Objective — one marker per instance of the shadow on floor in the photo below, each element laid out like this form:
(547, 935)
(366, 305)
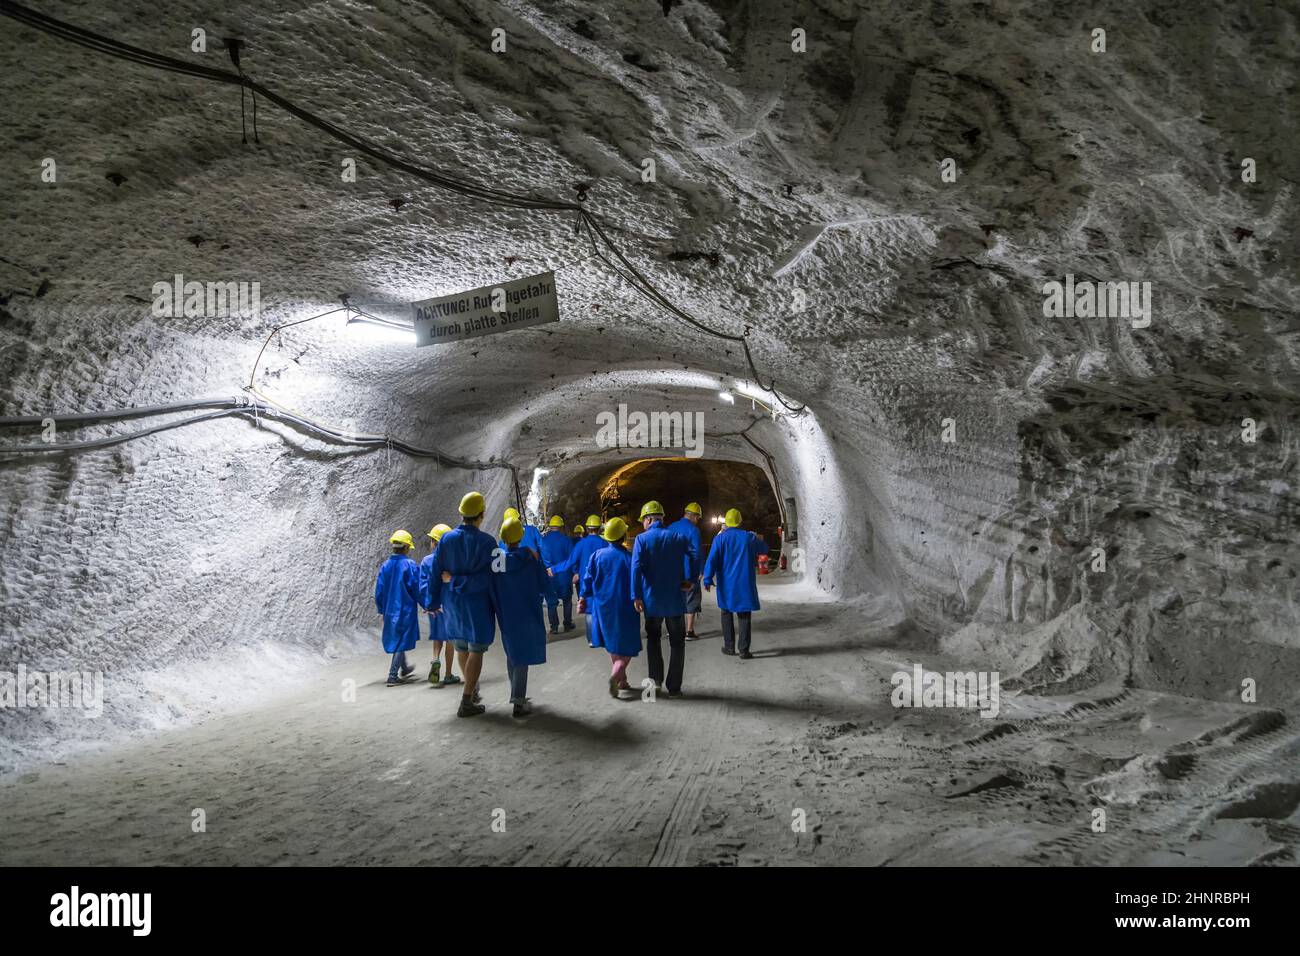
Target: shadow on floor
(616, 733)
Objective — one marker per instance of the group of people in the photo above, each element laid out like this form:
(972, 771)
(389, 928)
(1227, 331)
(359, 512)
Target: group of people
(471, 585)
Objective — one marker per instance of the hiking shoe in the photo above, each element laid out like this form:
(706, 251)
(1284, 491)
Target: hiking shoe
(522, 709)
(478, 698)
(729, 651)
(435, 675)
(468, 708)
(450, 679)
(746, 656)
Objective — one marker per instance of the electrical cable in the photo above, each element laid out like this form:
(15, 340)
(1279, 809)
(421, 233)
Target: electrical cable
(115, 48)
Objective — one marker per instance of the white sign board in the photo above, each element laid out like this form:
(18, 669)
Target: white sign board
(517, 304)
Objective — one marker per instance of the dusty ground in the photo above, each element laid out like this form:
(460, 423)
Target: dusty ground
(712, 779)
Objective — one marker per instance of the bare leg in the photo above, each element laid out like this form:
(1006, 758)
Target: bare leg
(450, 651)
(690, 623)
(437, 649)
(471, 665)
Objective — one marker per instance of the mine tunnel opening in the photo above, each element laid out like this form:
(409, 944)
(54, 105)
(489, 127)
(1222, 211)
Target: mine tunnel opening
(620, 489)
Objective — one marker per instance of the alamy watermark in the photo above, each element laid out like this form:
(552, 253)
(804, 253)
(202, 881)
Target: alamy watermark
(1086, 299)
(636, 429)
(921, 688)
(213, 300)
(68, 690)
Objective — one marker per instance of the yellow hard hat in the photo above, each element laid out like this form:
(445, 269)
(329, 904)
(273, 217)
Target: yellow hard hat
(472, 505)
(652, 508)
(577, 529)
(593, 521)
(556, 521)
(732, 518)
(694, 508)
(402, 537)
(437, 531)
(512, 531)
(510, 513)
(615, 529)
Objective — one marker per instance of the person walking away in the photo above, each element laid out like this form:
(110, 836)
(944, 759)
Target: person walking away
(431, 601)
(519, 580)
(688, 524)
(532, 537)
(573, 568)
(607, 595)
(397, 599)
(664, 563)
(556, 548)
(732, 564)
(465, 561)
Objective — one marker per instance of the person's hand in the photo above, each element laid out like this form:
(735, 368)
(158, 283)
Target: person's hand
(446, 577)
(708, 587)
(550, 573)
(582, 605)
(639, 605)
(575, 579)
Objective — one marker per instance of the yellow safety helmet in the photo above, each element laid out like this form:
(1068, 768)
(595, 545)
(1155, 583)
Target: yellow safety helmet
(694, 508)
(652, 508)
(402, 538)
(577, 529)
(593, 521)
(512, 531)
(472, 505)
(732, 518)
(510, 513)
(615, 529)
(556, 521)
(437, 531)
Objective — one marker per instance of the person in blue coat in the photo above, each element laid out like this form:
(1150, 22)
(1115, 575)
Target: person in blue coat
(576, 565)
(465, 558)
(607, 594)
(556, 548)
(519, 580)
(397, 599)
(664, 566)
(733, 566)
(431, 601)
(688, 524)
(532, 537)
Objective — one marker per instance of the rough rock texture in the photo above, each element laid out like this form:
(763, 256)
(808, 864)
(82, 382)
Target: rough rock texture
(798, 199)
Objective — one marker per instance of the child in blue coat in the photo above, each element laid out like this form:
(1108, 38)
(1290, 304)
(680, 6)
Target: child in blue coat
(733, 564)
(607, 597)
(431, 601)
(397, 599)
(519, 581)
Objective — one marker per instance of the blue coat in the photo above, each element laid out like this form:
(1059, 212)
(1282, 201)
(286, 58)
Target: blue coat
(579, 557)
(466, 552)
(516, 594)
(556, 548)
(431, 595)
(397, 598)
(607, 586)
(733, 566)
(532, 538)
(689, 528)
(661, 560)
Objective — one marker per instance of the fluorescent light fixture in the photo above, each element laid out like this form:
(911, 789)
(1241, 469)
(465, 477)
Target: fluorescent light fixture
(751, 391)
(727, 397)
(364, 329)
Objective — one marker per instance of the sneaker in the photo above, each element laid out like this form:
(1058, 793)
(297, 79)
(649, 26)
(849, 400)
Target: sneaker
(435, 673)
(478, 698)
(522, 709)
(673, 693)
(570, 626)
(746, 656)
(469, 708)
(407, 671)
(450, 679)
(555, 630)
(392, 682)
(729, 651)
(692, 636)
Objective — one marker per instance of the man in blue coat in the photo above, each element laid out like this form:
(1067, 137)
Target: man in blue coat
(431, 601)
(688, 524)
(519, 580)
(532, 537)
(576, 565)
(397, 599)
(607, 595)
(664, 565)
(465, 559)
(732, 564)
(556, 548)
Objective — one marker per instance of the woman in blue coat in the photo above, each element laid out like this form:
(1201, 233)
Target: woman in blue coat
(519, 580)
(607, 596)
(397, 599)
(733, 564)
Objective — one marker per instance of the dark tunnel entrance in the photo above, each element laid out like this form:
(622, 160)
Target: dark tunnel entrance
(620, 490)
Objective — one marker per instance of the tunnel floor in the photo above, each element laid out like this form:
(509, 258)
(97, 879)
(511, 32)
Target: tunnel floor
(715, 778)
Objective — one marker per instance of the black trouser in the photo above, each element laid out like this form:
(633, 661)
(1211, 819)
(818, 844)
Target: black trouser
(553, 612)
(729, 630)
(676, 650)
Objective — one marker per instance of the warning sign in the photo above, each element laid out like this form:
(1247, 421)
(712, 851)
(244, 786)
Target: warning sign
(517, 304)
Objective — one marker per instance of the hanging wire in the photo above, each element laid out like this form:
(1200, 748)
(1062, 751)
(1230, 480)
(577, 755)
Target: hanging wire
(628, 272)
